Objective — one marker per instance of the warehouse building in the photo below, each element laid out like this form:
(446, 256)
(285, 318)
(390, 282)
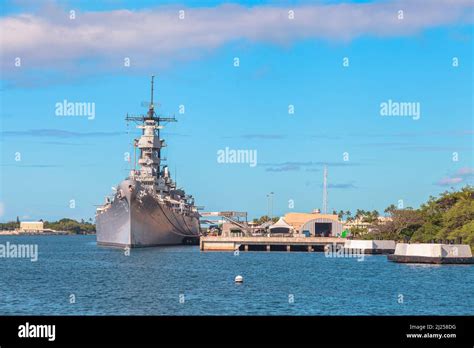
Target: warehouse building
(31, 226)
(315, 224)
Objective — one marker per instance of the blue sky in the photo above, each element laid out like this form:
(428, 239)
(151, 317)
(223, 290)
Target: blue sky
(337, 108)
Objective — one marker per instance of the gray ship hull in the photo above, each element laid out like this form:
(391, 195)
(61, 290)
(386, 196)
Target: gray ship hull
(143, 221)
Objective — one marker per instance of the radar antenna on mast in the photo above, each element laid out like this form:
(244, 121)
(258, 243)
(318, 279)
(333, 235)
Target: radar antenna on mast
(151, 111)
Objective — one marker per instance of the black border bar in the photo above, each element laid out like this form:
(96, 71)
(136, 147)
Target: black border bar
(328, 330)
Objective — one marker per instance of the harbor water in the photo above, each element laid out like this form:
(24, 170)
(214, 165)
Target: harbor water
(73, 276)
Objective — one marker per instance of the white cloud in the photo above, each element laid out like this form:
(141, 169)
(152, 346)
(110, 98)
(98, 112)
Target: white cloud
(465, 171)
(462, 175)
(49, 39)
(449, 181)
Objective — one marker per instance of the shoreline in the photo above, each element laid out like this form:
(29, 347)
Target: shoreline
(50, 233)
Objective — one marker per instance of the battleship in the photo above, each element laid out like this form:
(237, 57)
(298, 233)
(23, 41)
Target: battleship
(147, 208)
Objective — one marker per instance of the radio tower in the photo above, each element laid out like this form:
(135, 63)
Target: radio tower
(325, 190)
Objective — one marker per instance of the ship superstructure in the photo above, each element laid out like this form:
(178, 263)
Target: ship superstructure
(147, 208)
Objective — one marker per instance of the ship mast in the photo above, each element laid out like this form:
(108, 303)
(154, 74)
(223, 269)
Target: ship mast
(151, 110)
(150, 143)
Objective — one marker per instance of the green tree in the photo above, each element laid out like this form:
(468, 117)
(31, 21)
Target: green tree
(448, 216)
(358, 232)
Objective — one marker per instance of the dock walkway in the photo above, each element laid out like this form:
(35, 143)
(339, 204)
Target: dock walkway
(268, 243)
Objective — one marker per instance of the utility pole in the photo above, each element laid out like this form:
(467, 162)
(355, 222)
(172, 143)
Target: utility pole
(325, 190)
(270, 205)
(271, 210)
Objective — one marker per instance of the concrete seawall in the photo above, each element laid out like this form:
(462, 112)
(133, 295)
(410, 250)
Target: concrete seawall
(432, 253)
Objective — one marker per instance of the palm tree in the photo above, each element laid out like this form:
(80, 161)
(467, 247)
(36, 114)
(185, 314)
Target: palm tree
(390, 209)
(359, 213)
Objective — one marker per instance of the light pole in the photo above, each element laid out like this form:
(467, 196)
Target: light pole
(270, 204)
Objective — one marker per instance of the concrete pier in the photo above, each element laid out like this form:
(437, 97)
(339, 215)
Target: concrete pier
(371, 246)
(307, 244)
(432, 253)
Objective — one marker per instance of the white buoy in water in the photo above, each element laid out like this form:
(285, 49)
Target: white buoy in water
(239, 279)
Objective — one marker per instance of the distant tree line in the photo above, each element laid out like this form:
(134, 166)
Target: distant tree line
(67, 225)
(10, 226)
(360, 214)
(70, 225)
(265, 218)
